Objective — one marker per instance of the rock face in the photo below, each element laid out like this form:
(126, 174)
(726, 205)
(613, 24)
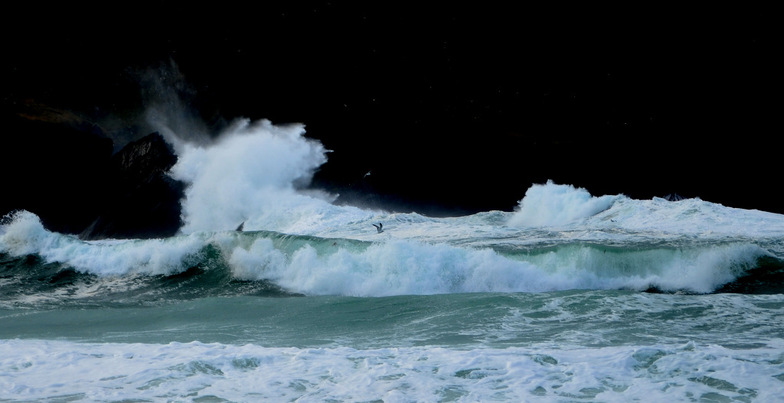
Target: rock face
(141, 200)
(66, 174)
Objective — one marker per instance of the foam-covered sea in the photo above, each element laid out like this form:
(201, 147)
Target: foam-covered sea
(569, 297)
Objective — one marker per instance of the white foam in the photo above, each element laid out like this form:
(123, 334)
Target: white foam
(39, 370)
(394, 266)
(25, 234)
(690, 217)
(561, 207)
(252, 174)
(556, 205)
(400, 267)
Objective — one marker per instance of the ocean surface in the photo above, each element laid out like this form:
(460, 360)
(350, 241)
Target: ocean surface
(570, 297)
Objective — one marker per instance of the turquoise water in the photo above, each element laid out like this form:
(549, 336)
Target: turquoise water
(569, 318)
(559, 346)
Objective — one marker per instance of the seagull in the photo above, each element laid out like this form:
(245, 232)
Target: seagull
(379, 227)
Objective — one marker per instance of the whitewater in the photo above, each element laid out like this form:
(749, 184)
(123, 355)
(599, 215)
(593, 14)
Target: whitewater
(568, 297)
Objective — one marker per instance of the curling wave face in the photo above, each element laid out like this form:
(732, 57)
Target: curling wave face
(419, 255)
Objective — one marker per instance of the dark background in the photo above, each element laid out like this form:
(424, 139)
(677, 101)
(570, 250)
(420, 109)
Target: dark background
(452, 108)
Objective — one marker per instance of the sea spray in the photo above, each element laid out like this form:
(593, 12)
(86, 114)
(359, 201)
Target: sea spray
(250, 174)
(555, 205)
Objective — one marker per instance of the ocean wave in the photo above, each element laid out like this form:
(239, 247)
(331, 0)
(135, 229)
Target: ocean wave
(556, 205)
(313, 265)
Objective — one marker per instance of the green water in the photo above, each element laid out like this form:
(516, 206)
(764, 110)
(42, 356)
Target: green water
(585, 318)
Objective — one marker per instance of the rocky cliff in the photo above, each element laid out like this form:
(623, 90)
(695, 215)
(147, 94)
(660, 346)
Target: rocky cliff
(64, 170)
(141, 200)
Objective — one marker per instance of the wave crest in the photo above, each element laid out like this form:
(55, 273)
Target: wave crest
(553, 205)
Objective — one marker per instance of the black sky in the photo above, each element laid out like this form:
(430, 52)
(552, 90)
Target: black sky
(457, 106)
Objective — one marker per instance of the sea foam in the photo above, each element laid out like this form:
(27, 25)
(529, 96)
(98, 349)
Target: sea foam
(42, 370)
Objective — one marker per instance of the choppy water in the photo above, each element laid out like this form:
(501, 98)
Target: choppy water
(571, 297)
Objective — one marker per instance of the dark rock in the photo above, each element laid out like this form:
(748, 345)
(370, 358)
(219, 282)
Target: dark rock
(142, 201)
(59, 166)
